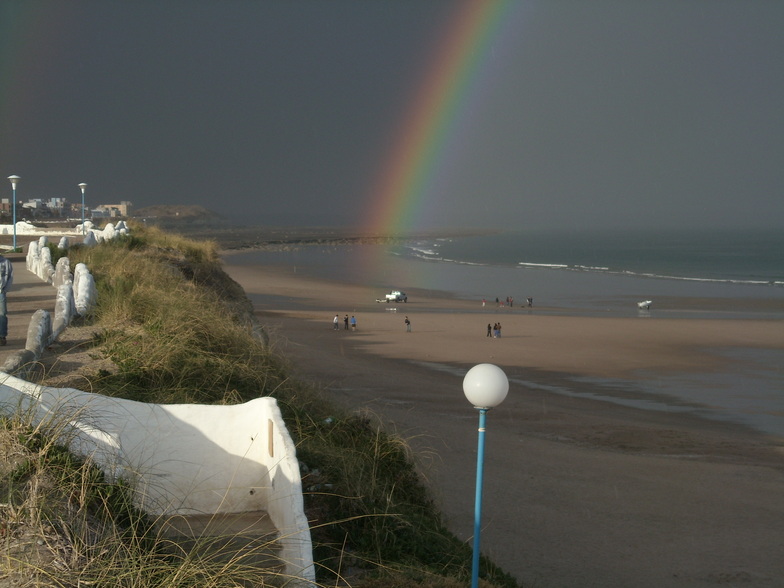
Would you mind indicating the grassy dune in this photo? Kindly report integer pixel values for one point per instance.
(171, 327)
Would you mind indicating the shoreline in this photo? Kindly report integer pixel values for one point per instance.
(556, 291)
(574, 481)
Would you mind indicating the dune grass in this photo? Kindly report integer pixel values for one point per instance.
(63, 524)
(178, 329)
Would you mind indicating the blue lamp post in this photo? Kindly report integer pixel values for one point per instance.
(14, 182)
(485, 386)
(82, 186)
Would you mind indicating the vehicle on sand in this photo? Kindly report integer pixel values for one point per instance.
(396, 296)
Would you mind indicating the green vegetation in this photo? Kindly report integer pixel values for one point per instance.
(177, 329)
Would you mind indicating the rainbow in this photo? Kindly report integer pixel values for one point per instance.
(399, 196)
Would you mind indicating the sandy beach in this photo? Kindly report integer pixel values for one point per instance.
(578, 491)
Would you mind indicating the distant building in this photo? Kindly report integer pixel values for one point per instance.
(49, 207)
(58, 205)
(35, 204)
(113, 210)
(75, 210)
(37, 207)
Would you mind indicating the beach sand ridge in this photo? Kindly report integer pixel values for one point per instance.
(579, 492)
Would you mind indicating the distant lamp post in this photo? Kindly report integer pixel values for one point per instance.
(82, 186)
(14, 182)
(485, 386)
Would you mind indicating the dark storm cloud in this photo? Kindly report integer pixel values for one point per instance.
(602, 113)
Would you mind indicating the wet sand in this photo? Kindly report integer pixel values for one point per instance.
(578, 492)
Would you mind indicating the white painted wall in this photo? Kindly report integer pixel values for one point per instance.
(183, 458)
(27, 228)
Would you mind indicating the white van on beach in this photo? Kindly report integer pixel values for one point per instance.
(397, 296)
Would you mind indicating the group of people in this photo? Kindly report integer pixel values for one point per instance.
(346, 321)
(494, 331)
(508, 302)
(350, 321)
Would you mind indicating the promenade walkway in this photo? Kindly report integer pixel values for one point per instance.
(28, 294)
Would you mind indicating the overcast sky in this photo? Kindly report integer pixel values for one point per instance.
(628, 113)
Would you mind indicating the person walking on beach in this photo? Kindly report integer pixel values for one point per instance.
(6, 279)
(353, 323)
(345, 322)
(408, 325)
(489, 330)
(335, 322)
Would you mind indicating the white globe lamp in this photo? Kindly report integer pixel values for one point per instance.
(486, 386)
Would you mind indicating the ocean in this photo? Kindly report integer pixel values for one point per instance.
(611, 271)
(722, 274)
(685, 274)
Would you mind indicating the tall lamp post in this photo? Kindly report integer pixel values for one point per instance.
(82, 186)
(14, 182)
(485, 386)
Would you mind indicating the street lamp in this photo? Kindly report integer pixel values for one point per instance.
(485, 386)
(82, 186)
(14, 182)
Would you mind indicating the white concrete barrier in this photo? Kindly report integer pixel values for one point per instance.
(32, 256)
(184, 458)
(39, 332)
(25, 228)
(64, 309)
(85, 294)
(39, 259)
(62, 272)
